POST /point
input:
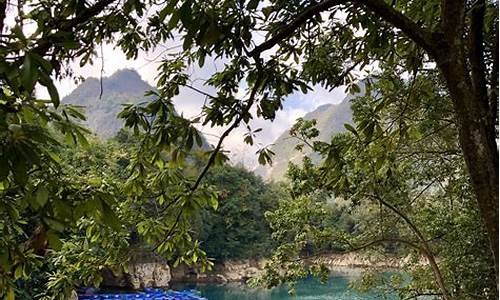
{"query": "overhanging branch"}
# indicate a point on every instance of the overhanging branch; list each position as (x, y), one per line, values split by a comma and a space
(298, 21)
(418, 34)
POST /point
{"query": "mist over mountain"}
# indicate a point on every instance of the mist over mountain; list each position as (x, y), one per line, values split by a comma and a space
(330, 120)
(124, 86)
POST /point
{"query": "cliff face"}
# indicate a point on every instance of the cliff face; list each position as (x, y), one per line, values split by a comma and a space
(145, 270)
(156, 273)
(330, 120)
(228, 271)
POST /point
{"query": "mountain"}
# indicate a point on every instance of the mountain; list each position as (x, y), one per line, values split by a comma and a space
(330, 120)
(124, 86)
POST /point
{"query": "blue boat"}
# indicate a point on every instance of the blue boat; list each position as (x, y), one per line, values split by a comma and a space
(148, 294)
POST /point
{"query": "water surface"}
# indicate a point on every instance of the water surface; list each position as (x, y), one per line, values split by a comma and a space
(336, 288)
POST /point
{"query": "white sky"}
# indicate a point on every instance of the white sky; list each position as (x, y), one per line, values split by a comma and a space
(189, 102)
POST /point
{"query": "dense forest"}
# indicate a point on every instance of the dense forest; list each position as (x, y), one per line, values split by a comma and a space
(413, 175)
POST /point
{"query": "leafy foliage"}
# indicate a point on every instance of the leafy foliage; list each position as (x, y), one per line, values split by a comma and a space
(403, 177)
(313, 44)
(239, 220)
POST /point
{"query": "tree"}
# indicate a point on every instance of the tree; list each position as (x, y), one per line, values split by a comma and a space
(238, 222)
(44, 208)
(404, 181)
(40, 202)
(311, 43)
(322, 42)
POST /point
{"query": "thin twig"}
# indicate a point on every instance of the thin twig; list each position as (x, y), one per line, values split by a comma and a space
(102, 72)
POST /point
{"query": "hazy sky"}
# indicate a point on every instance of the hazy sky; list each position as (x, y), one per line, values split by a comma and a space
(189, 102)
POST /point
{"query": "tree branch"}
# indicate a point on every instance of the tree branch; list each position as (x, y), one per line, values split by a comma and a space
(425, 249)
(494, 77)
(452, 18)
(3, 9)
(212, 157)
(45, 43)
(418, 34)
(235, 124)
(298, 21)
(476, 54)
(84, 16)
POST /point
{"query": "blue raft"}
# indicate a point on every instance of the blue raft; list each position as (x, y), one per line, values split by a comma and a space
(148, 294)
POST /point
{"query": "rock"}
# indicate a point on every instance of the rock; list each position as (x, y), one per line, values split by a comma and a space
(229, 271)
(221, 278)
(149, 275)
(145, 270)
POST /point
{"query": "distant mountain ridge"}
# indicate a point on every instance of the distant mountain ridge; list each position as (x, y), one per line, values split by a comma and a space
(123, 86)
(330, 120)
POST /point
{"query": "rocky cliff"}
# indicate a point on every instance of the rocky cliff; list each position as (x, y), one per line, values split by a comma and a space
(145, 270)
(330, 121)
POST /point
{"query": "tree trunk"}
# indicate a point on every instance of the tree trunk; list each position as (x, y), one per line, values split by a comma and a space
(477, 139)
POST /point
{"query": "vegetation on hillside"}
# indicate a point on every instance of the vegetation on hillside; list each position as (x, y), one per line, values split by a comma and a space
(425, 150)
(330, 119)
(237, 229)
(78, 257)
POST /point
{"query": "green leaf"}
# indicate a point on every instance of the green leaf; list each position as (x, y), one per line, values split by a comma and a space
(188, 41)
(82, 139)
(10, 294)
(351, 129)
(199, 141)
(20, 171)
(110, 217)
(248, 139)
(368, 131)
(19, 33)
(62, 209)
(354, 89)
(30, 73)
(45, 64)
(252, 4)
(54, 224)
(185, 15)
(213, 202)
(174, 19)
(4, 259)
(71, 45)
(18, 273)
(42, 195)
(54, 240)
(211, 36)
(54, 94)
(46, 81)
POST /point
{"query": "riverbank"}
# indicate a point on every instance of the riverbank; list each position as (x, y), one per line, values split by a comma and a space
(242, 270)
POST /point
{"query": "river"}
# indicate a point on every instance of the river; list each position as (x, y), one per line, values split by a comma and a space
(336, 288)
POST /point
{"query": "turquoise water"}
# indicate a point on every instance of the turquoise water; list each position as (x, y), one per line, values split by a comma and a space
(308, 289)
